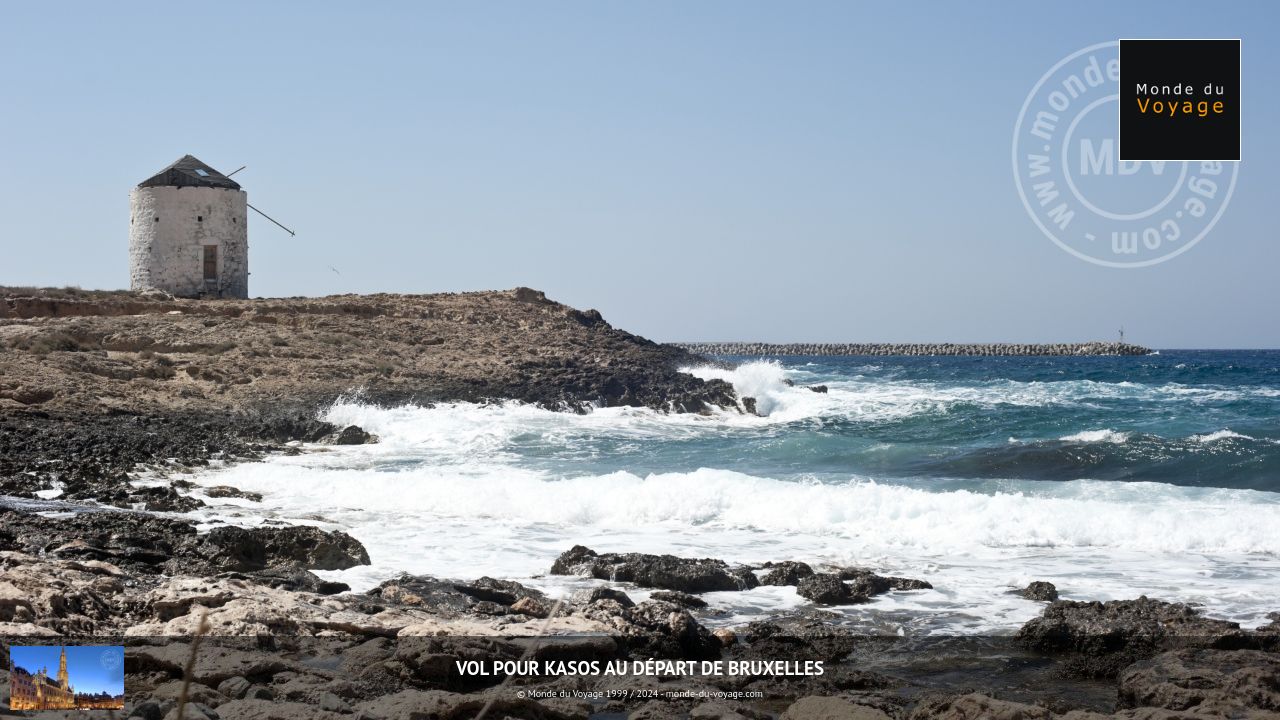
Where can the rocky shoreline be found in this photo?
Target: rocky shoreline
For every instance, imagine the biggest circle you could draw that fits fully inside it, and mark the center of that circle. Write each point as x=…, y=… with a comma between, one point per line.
x=977, y=349
x=95, y=388
x=97, y=385
x=277, y=644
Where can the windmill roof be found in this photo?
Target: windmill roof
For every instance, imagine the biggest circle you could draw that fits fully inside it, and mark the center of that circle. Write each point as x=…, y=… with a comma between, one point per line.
x=188, y=171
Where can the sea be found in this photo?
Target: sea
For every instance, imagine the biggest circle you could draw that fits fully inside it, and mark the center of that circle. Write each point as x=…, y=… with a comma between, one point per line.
x=1111, y=477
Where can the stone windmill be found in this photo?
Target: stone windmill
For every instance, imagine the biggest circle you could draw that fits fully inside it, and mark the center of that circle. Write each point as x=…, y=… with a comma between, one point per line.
x=189, y=232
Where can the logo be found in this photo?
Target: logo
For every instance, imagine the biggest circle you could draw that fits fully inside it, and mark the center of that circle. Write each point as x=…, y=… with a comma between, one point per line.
x=1180, y=100
x=111, y=658
x=1107, y=211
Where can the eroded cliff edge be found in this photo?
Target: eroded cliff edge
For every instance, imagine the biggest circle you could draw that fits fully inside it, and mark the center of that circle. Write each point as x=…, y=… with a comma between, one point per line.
x=125, y=353
x=93, y=384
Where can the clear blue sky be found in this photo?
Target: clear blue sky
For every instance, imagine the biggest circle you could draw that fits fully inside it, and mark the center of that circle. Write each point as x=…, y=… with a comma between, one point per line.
x=712, y=170
x=85, y=668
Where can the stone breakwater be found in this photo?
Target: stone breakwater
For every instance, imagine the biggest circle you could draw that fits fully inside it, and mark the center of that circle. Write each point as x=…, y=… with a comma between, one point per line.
x=753, y=348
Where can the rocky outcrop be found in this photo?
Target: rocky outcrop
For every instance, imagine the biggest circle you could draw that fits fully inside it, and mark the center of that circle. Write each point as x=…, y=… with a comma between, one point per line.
x=785, y=573
x=848, y=586
x=819, y=349
x=485, y=596
x=144, y=543
x=129, y=354
x=1101, y=638
x=1040, y=590
x=667, y=572
x=826, y=589
x=1229, y=682
x=655, y=628
x=864, y=582
x=310, y=548
x=352, y=435
x=94, y=385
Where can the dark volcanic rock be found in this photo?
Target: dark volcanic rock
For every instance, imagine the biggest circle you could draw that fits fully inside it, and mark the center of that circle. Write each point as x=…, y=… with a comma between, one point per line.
x=800, y=636
x=1105, y=637
x=246, y=549
x=656, y=628
x=865, y=582
x=91, y=455
x=159, y=499
x=684, y=600
x=133, y=541
x=226, y=491
x=656, y=571
x=1273, y=626
x=293, y=579
x=827, y=589
x=353, y=435
x=785, y=573
x=1040, y=590
x=503, y=592
x=150, y=544
x=485, y=596
x=586, y=597
x=852, y=585
x=1228, y=683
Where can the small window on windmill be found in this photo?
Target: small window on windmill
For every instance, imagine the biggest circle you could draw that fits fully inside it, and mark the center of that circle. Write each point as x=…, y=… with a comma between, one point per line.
x=199, y=218
x=201, y=172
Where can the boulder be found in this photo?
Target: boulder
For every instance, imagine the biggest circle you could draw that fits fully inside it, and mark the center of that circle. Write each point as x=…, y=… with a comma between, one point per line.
x=827, y=589
x=866, y=583
x=586, y=597
x=226, y=491
x=353, y=435
x=656, y=628
x=1040, y=590
x=1104, y=637
x=485, y=596
x=685, y=600
x=727, y=637
x=785, y=573
x=655, y=571
x=529, y=606
x=1228, y=682
x=234, y=687
x=304, y=546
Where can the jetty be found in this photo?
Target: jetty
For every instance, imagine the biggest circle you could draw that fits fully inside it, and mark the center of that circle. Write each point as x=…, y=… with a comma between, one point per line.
x=976, y=349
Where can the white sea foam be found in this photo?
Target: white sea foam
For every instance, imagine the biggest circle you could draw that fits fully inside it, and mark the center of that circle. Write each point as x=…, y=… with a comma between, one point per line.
x=1096, y=436
x=457, y=491
x=1219, y=435
x=868, y=398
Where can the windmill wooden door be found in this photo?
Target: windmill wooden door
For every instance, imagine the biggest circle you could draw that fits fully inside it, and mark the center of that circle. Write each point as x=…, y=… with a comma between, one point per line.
x=211, y=267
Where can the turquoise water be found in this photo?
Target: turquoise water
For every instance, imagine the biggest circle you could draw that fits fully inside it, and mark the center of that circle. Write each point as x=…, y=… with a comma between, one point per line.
x=1111, y=477
x=1193, y=418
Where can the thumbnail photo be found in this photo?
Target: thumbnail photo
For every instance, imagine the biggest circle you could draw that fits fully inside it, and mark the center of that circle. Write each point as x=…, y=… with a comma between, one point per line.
x=51, y=677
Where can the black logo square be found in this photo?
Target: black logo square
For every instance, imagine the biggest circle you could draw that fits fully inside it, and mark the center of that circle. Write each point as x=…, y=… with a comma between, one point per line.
x=1179, y=99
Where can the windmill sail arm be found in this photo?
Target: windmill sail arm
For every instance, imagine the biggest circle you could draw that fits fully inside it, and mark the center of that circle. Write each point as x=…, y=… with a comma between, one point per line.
x=282, y=227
